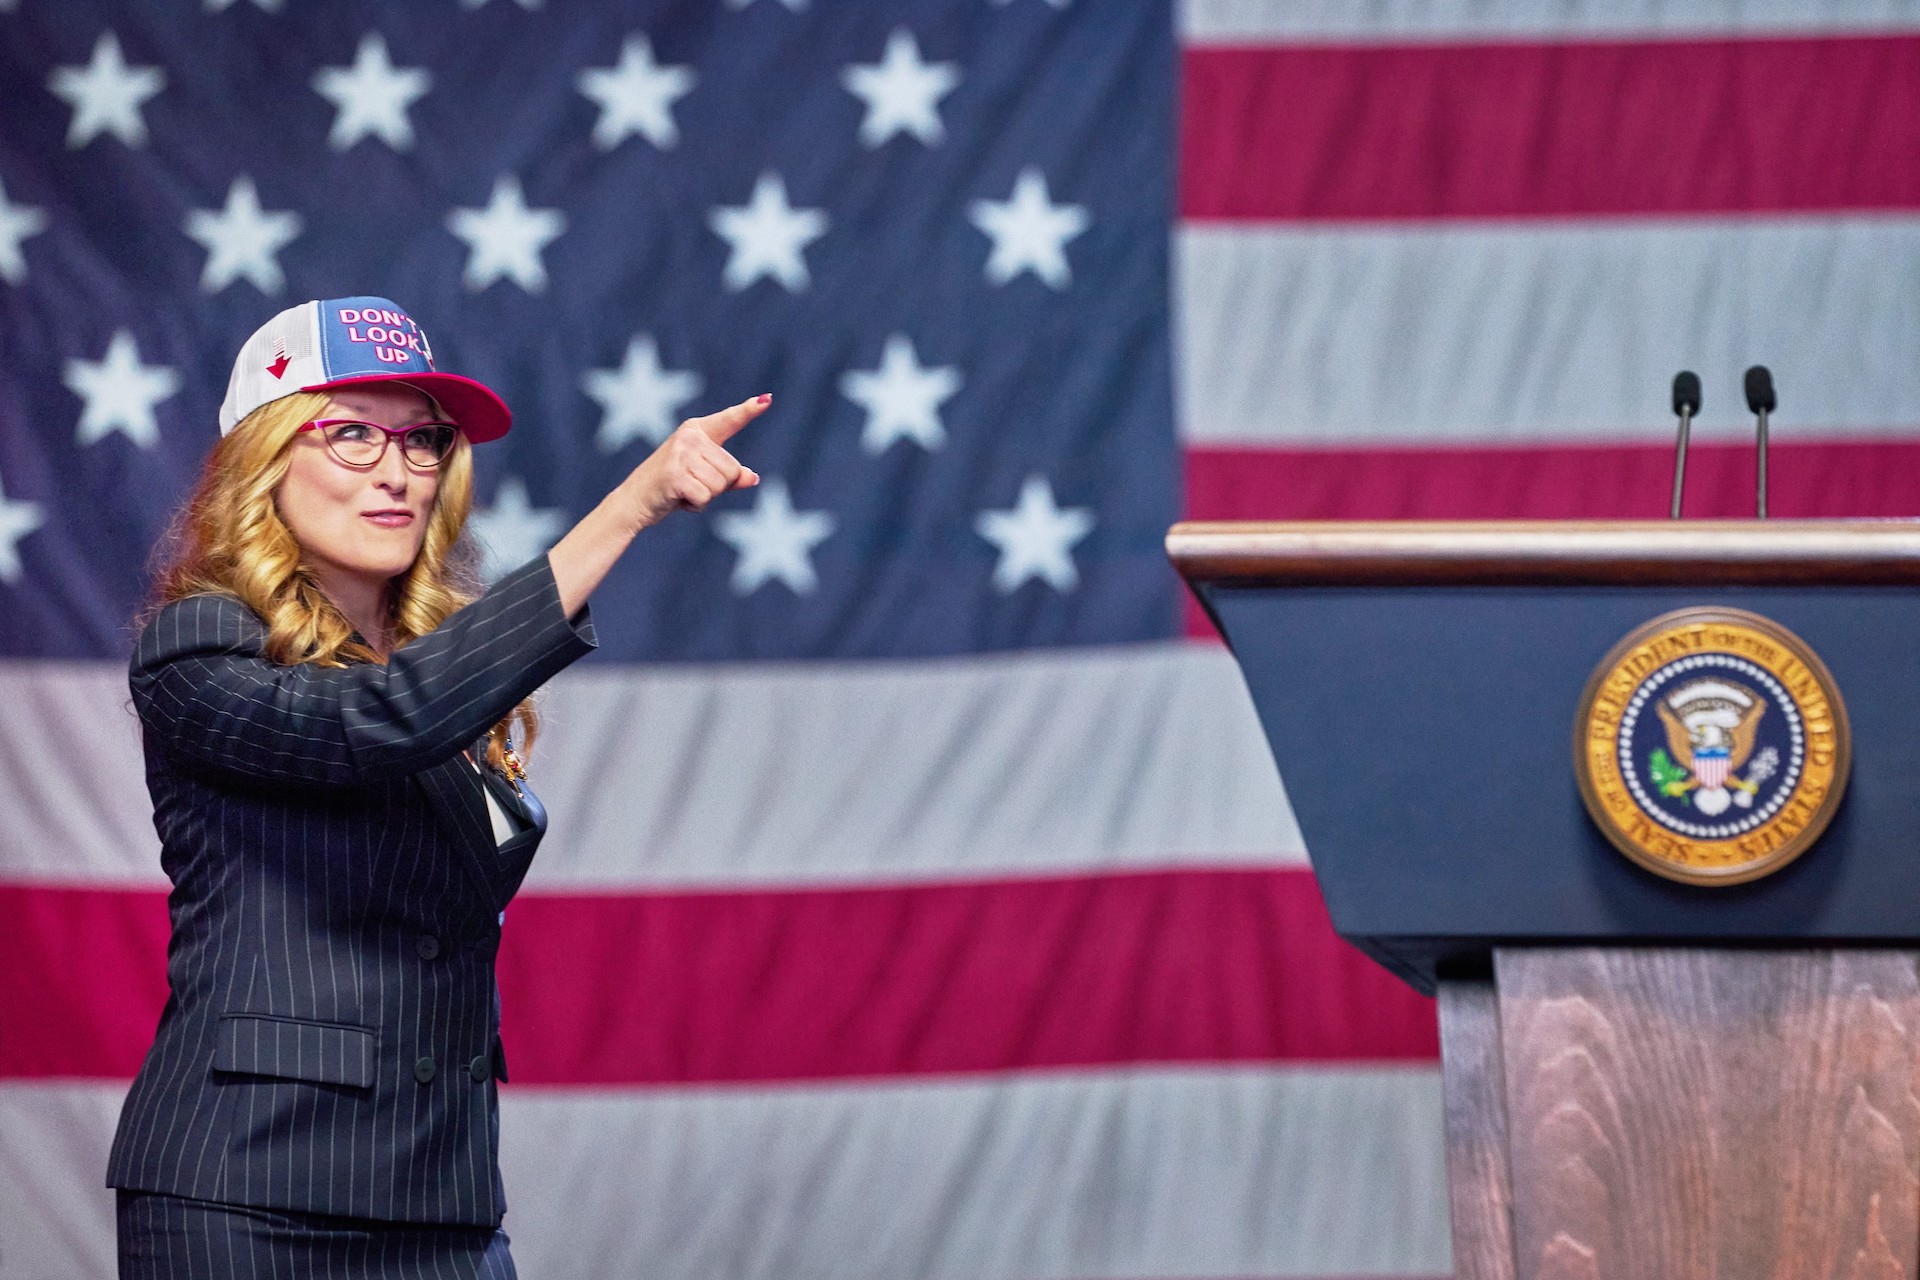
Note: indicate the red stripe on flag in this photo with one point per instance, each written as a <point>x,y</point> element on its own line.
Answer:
<point>1550,482</point>
<point>83,981</point>
<point>1546,130</point>
<point>1178,966</point>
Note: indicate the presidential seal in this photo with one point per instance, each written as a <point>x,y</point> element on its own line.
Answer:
<point>1711,746</point>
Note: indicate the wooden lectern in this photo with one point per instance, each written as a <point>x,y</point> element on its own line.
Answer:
<point>1643,1078</point>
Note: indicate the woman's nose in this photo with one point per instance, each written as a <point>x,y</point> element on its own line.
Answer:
<point>390,473</point>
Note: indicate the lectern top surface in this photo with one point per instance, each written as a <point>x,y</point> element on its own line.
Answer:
<point>1465,553</point>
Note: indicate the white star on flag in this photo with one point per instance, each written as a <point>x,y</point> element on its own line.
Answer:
<point>774,541</point>
<point>641,399</point>
<point>902,397</point>
<point>17,520</point>
<point>120,393</point>
<point>794,6</point>
<point>636,96</point>
<point>371,96</point>
<point>17,222</point>
<point>902,93</point>
<point>766,236</point>
<point>242,240</point>
<point>1036,538</point>
<point>1029,231</point>
<point>504,239</point>
<point>106,95</point>
<point>513,531</point>
<point>220,6</point>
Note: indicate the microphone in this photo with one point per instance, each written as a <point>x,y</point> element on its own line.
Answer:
<point>1761,401</point>
<point>1686,403</point>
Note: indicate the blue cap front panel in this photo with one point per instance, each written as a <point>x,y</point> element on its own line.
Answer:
<point>364,336</point>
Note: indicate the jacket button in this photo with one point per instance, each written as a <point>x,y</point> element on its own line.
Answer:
<point>480,1069</point>
<point>428,946</point>
<point>423,1070</point>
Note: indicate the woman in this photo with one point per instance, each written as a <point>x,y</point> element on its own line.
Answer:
<point>328,719</point>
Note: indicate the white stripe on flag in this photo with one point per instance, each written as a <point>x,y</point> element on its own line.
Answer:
<point>1029,763</point>
<point>56,1214</point>
<point>71,776</point>
<point>1525,331</point>
<point>1256,1172</point>
<point>1018,763</point>
<point>1221,22</point>
<point>1151,1173</point>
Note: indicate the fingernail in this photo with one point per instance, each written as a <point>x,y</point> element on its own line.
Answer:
<point>764,397</point>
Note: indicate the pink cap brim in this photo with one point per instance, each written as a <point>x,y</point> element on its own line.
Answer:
<point>472,405</point>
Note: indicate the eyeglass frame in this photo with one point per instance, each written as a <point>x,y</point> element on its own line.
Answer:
<point>386,439</point>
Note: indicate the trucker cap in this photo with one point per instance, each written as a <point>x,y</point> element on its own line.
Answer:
<point>344,342</point>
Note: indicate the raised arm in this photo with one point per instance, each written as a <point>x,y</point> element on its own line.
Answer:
<point>689,470</point>
<point>207,693</point>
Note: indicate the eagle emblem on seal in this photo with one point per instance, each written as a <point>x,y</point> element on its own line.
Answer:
<point>1710,727</point>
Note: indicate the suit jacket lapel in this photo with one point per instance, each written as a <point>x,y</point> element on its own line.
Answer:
<point>511,856</point>
<point>453,789</point>
<point>519,803</point>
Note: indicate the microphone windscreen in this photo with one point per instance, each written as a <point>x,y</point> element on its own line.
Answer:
<point>1760,397</point>
<point>1686,392</point>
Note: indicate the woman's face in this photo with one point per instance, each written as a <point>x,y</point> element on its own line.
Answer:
<point>364,522</point>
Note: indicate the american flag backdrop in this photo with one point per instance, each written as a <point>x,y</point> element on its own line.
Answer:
<point>921,899</point>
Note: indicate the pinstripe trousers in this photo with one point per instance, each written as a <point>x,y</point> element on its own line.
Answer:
<point>166,1237</point>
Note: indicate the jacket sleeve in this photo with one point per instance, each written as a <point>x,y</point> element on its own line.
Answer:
<point>206,691</point>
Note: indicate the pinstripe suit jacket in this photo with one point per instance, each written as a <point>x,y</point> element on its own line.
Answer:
<point>330,1040</point>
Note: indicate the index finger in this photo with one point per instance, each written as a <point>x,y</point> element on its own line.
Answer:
<point>720,427</point>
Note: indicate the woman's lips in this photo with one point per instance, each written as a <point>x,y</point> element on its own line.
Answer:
<point>389,519</point>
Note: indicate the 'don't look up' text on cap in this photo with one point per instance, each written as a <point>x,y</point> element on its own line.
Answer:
<point>344,342</point>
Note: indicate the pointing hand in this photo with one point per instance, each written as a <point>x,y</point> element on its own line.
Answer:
<point>691,467</point>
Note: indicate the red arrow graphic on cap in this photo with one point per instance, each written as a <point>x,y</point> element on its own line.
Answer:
<point>279,366</point>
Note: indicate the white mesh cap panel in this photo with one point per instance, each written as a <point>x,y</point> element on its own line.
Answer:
<point>294,334</point>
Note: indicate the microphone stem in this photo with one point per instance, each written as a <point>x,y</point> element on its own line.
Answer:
<point>1680,462</point>
<point>1762,469</point>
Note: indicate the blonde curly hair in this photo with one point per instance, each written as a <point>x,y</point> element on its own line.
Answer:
<point>229,539</point>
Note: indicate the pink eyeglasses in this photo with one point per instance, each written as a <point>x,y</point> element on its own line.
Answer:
<point>424,445</point>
